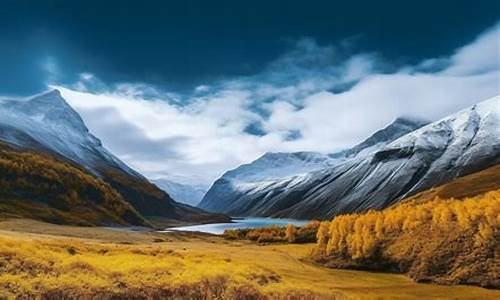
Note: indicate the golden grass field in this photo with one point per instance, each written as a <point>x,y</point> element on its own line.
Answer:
<point>53,261</point>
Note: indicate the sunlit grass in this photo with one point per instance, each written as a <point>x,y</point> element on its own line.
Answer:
<point>34,264</point>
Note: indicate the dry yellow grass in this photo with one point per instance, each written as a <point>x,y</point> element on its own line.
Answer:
<point>35,263</point>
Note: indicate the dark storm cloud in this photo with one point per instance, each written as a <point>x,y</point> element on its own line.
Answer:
<point>199,87</point>
<point>183,44</point>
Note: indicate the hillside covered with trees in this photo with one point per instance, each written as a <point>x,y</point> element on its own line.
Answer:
<point>447,241</point>
<point>39,186</point>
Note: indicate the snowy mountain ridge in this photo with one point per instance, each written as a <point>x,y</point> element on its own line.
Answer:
<point>275,165</point>
<point>51,122</point>
<point>460,144</point>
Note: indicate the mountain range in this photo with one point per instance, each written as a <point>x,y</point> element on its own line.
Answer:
<point>398,161</point>
<point>55,170</point>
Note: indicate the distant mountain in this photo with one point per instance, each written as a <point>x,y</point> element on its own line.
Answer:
<point>394,163</point>
<point>46,123</point>
<point>190,194</point>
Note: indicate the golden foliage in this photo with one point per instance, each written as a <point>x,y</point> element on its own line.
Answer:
<point>290,233</point>
<point>80,267</point>
<point>38,182</point>
<point>375,236</point>
<point>276,234</point>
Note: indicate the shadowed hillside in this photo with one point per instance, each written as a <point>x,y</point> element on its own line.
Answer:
<point>39,186</point>
<point>467,186</point>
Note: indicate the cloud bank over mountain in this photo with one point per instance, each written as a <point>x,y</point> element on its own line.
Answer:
<point>312,98</point>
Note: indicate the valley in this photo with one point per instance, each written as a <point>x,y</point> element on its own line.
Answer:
<point>249,150</point>
<point>56,261</point>
<point>410,212</point>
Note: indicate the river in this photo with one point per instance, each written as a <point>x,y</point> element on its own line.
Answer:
<point>238,223</point>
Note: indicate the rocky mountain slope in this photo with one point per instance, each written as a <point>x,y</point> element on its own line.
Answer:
<point>46,123</point>
<point>377,177</point>
<point>285,170</point>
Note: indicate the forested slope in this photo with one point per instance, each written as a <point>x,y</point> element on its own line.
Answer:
<point>450,241</point>
<point>40,186</point>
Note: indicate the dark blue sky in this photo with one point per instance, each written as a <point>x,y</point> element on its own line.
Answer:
<point>178,45</point>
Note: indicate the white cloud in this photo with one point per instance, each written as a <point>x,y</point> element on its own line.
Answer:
<point>204,137</point>
<point>482,55</point>
<point>205,134</point>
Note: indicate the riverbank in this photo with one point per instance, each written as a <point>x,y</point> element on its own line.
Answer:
<point>45,259</point>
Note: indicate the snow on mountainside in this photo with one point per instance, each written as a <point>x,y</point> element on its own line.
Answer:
<point>293,168</point>
<point>460,144</point>
<point>396,129</point>
<point>47,123</point>
<point>278,165</point>
<point>185,193</point>
<point>283,165</point>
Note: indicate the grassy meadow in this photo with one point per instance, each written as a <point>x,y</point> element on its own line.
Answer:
<point>56,262</point>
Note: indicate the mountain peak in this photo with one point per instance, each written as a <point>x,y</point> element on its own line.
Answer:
<point>301,155</point>
<point>53,97</point>
<point>52,92</point>
<point>50,108</point>
<point>397,128</point>
<point>409,121</point>
<point>389,166</point>
<point>47,99</point>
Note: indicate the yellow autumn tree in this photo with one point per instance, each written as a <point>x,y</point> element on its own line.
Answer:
<point>358,235</point>
<point>290,233</point>
<point>322,235</point>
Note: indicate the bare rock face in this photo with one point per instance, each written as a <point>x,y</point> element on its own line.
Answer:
<point>379,172</point>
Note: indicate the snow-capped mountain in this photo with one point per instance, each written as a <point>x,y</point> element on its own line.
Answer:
<point>51,123</point>
<point>460,144</point>
<point>274,165</point>
<point>396,129</point>
<point>272,170</point>
<point>47,123</point>
<point>190,194</point>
